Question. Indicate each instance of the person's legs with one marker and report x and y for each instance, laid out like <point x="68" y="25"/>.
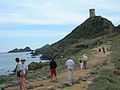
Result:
<point x="51" y="72"/>
<point x="81" y="65"/>
<point x="54" y="72"/>
<point x="72" y="74"/>
<point x="69" y="74"/>
<point x="20" y="83"/>
<point x="104" y="51"/>
<point x="24" y="83"/>
<point x="85" y="64"/>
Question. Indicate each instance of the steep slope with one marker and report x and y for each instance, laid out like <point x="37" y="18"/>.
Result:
<point x="80" y="38"/>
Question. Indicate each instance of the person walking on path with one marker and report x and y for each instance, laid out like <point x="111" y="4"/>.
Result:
<point x="23" y="73"/>
<point x="85" y="59"/>
<point x="17" y="69"/>
<point x="81" y="63"/>
<point x="103" y="49"/>
<point x="99" y="50"/>
<point x="70" y="67"/>
<point x="53" y="67"/>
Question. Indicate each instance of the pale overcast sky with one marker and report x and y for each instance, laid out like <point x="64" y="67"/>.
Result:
<point x="35" y="23"/>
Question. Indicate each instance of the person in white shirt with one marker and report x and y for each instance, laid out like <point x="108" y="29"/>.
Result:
<point x="70" y="67"/>
<point x="23" y="73"/>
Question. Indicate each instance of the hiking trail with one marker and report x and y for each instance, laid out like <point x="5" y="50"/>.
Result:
<point x="97" y="58"/>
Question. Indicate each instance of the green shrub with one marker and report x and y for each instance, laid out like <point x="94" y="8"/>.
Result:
<point x="106" y="73"/>
<point x="103" y="84"/>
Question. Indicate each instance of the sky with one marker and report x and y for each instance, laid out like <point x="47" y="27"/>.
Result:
<point x="35" y="23"/>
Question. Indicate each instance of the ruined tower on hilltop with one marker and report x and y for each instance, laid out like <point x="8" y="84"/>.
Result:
<point x="92" y="12"/>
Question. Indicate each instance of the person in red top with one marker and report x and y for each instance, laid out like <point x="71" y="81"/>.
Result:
<point x="53" y="67"/>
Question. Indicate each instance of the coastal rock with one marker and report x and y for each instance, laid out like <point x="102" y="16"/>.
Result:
<point x="26" y="49"/>
<point x="39" y="79"/>
<point x="48" y="76"/>
<point x="44" y="78"/>
<point x="30" y="87"/>
<point x="68" y="83"/>
<point x="61" y="85"/>
<point x="89" y="75"/>
<point x="51" y="88"/>
<point x="9" y="85"/>
<point x="31" y="80"/>
<point x="4" y="78"/>
<point x="34" y="66"/>
<point x="39" y="85"/>
<point x="2" y="86"/>
<point x="89" y="82"/>
<point x="14" y="83"/>
<point x="83" y="78"/>
<point x="94" y="71"/>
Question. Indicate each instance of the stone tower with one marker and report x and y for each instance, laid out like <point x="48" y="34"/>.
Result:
<point x="92" y="12"/>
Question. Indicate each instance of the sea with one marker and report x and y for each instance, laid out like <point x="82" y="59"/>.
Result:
<point x="8" y="64"/>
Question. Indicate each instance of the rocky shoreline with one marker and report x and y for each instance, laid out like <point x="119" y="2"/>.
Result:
<point x="12" y="80"/>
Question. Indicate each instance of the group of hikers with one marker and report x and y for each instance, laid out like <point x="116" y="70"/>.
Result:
<point x="21" y="72"/>
<point x="102" y="49"/>
<point x="22" y="69"/>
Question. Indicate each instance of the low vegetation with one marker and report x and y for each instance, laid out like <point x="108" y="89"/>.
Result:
<point x="109" y="79"/>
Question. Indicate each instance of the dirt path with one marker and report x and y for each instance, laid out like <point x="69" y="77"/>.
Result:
<point x="96" y="59"/>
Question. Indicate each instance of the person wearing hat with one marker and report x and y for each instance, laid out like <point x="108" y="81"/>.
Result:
<point x="85" y="59"/>
<point x="23" y="74"/>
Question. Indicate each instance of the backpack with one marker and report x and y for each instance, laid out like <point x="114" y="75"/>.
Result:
<point x="80" y="61"/>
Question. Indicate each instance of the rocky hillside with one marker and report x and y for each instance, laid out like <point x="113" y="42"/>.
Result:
<point x="86" y="35"/>
<point x="40" y="49"/>
<point x="91" y="28"/>
<point x="26" y="49"/>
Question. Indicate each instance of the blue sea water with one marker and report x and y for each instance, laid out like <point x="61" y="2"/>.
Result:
<point x="7" y="61"/>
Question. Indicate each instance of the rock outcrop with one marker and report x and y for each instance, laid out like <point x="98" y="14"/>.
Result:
<point x="26" y="49"/>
